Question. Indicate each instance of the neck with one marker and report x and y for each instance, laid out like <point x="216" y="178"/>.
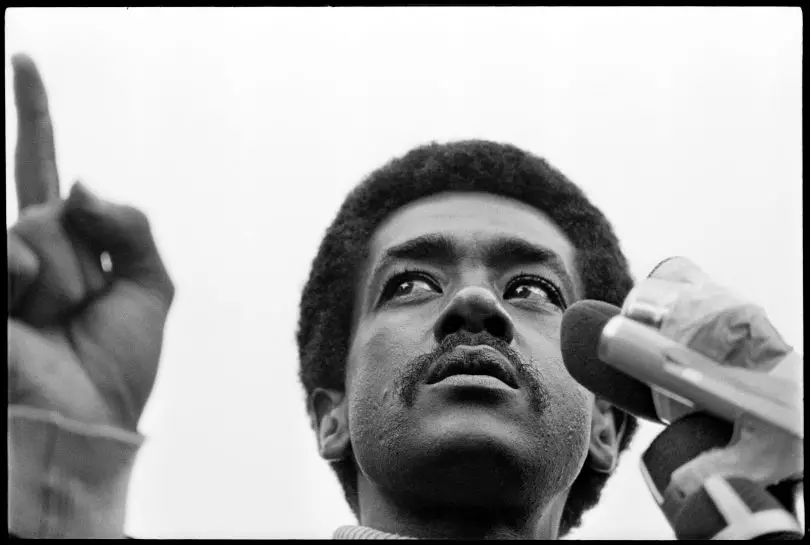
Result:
<point x="414" y="518"/>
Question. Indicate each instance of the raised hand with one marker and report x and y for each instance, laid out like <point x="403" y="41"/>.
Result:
<point x="82" y="340"/>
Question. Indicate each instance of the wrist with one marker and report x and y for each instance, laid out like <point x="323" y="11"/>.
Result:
<point x="67" y="478"/>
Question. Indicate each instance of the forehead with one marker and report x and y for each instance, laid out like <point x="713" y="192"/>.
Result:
<point x="471" y="217"/>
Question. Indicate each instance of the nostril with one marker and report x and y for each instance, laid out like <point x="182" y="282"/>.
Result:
<point x="452" y="324"/>
<point x="498" y="327"/>
<point x="474" y="309"/>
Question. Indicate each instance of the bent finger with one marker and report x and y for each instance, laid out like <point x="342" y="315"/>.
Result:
<point x="23" y="268"/>
<point x="124" y="233"/>
<point x="59" y="286"/>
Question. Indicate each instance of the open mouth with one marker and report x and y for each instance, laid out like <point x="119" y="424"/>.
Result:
<point x="480" y="360"/>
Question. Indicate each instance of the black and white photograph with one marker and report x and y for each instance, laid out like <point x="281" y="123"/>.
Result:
<point x="405" y="272"/>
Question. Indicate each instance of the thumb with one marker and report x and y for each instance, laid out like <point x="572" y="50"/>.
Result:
<point x="124" y="233"/>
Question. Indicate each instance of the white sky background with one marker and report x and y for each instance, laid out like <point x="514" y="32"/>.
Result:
<point x="240" y="131"/>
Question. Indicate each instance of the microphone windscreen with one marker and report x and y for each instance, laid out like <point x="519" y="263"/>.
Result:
<point x="682" y="441"/>
<point x="746" y="511"/>
<point x="581" y="332"/>
<point x="697" y="516"/>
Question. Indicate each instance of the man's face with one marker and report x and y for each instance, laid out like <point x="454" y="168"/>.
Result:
<point x="456" y="389"/>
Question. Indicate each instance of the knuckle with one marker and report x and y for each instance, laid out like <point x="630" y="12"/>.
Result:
<point x="38" y="219"/>
<point x="135" y="218"/>
<point x="19" y="253"/>
<point x="68" y="294"/>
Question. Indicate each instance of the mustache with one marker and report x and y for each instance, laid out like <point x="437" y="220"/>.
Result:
<point x="407" y="383"/>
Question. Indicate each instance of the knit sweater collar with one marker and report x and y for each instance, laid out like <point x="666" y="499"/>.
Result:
<point x="363" y="532"/>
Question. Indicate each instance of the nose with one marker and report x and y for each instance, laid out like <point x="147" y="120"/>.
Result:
<point x="475" y="309"/>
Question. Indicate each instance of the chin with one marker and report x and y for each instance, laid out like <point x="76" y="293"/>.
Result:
<point x="443" y="454"/>
<point x="471" y="460"/>
<point x="475" y="429"/>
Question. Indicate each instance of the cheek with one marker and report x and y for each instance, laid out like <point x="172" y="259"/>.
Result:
<point x="568" y="400"/>
<point x="541" y="345"/>
<point x="377" y="358"/>
<point x="375" y="355"/>
<point x="376" y="418"/>
<point x="568" y="413"/>
<point x="566" y="393"/>
<point x="383" y="345"/>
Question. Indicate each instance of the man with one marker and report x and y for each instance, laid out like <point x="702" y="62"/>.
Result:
<point x="428" y="341"/>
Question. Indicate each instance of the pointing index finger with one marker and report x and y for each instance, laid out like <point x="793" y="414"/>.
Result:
<point x="35" y="160"/>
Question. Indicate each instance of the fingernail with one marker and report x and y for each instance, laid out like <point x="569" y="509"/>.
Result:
<point x="29" y="88"/>
<point x="20" y="59"/>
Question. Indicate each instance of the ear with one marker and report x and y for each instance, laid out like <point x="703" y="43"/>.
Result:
<point x="329" y="418"/>
<point x="607" y="429"/>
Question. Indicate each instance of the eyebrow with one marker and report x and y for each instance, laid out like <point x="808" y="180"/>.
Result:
<point x="433" y="248"/>
<point x="508" y="252"/>
<point x="501" y="253"/>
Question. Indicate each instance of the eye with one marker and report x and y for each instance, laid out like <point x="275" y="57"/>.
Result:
<point x="534" y="288"/>
<point x="408" y="283"/>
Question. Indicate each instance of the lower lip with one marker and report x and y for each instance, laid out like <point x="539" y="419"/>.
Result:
<point x="474" y="381"/>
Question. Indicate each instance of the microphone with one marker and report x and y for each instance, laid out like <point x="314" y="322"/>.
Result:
<point x="630" y="365"/>
<point x="580" y="337"/>
<point x="625" y="362"/>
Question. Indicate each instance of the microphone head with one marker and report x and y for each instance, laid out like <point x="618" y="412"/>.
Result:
<point x="581" y="332"/>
